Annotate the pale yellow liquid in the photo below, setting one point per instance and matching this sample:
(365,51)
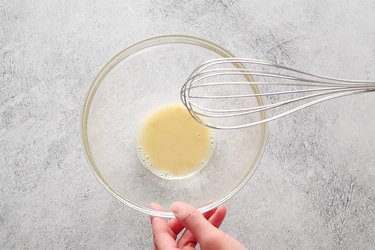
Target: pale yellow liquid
(173,144)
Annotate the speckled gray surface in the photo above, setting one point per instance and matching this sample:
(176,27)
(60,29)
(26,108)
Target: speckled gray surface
(314,188)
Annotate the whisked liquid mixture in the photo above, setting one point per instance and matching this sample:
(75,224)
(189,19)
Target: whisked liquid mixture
(172,144)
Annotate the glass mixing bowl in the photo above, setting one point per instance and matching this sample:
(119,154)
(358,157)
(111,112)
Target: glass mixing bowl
(142,77)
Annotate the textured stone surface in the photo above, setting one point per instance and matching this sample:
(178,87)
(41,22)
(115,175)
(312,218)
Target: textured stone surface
(314,188)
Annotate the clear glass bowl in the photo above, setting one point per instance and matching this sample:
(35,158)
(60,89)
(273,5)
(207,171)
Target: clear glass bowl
(142,77)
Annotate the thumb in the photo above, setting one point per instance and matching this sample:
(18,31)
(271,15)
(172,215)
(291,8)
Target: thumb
(194,221)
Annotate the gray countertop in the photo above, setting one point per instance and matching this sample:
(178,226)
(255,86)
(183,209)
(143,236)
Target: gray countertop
(314,188)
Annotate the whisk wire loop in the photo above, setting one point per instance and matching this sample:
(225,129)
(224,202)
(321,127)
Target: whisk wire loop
(310,89)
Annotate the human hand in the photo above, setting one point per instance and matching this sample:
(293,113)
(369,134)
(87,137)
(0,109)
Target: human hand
(200,228)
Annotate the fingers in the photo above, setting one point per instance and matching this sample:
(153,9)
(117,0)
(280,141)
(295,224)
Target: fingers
(194,221)
(161,232)
(176,226)
(216,218)
(201,227)
(162,238)
(208,214)
(156,206)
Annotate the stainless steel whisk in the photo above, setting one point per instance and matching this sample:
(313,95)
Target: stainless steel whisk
(302,90)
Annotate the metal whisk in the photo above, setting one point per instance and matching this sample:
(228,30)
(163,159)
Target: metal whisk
(227,89)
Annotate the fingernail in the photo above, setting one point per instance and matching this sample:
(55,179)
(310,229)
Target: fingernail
(176,207)
(223,206)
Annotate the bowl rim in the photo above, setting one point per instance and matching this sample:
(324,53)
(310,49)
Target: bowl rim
(132,49)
